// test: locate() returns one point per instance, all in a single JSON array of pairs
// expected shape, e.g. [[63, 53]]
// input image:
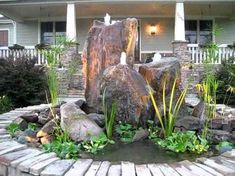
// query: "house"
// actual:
[[160, 22]]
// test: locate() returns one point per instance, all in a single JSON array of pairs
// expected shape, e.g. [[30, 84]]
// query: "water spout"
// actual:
[[123, 58], [107, 19]]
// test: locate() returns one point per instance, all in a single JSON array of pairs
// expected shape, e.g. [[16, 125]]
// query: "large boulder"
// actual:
[[155, 73], [102, 49], [127, 88], [77, 124]]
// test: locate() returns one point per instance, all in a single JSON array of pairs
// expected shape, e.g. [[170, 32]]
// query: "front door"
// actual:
[[4, 38]]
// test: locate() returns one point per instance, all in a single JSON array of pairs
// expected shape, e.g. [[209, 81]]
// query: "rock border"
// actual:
[[19, 160]]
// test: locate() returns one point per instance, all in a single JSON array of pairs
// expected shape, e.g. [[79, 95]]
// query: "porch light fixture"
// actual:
[[153, 29]]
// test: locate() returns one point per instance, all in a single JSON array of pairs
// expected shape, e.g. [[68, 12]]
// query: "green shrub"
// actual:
[[22, 82], [184, 141], [226, 78], [5, 104]]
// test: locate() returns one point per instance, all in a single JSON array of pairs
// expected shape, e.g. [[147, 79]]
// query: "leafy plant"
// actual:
[[109, 116], [167, 119], [226, 83], [65, 150], [5, 104], [126, 132], [22, 82], [62, 145], [32, 126], [52, 61], [96, 143], [184, 141], [223, 146], [153, 130], [13, 128]]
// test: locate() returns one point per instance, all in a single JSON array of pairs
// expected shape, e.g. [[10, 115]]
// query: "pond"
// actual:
[[140, 152]]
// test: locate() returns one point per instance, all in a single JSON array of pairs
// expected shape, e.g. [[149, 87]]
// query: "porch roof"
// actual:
[[20, 10]]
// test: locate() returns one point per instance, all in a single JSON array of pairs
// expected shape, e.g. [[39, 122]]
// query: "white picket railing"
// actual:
[[29, 52], [199, 54]]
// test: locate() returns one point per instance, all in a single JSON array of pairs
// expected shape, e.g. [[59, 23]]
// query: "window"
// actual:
[[4, 38], [50, 31], [198, 31]]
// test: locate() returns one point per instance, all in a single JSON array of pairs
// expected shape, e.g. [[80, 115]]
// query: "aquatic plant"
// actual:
[[184, 141], [167, 119], [96, 143], [109, 116], [126, 132]]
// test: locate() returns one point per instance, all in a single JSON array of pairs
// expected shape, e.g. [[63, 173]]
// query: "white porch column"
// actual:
[[179, 22], [71, 31]]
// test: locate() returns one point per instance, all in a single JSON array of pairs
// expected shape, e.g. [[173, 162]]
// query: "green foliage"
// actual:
[[5, 104], [32, 126], [167, 119], [65, 150], [22, 82], [52, 61], [126, 132], [96, 143], [153, 131], [13, 128], [62, 145], [224, 145], [184, 141], [226, 83], [109, 115]]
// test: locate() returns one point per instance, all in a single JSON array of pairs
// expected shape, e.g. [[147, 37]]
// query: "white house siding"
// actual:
[[161, 41], [10, 29], [227, 35], [27, 33]]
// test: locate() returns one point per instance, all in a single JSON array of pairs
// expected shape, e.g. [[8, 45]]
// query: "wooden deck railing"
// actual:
[[199, 54]]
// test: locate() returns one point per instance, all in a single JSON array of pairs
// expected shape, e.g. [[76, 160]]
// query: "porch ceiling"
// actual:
[[21, 12]]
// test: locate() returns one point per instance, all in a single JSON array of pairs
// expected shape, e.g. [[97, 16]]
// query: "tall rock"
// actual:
[[103, 49]]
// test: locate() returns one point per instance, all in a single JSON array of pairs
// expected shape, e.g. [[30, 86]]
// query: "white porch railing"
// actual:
[[199, 54], [29, 52]]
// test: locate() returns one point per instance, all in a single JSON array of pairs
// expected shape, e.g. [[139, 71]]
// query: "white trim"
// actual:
[[39, 31], [154, 51], [8, 34], [140, 39], [14, 33]]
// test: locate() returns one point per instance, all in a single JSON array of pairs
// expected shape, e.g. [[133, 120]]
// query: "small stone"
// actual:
[[30, 139], [43, 117], [47, 129], [30, 133], [21, 140], [22, 123], [46, 139], [52, 113], [32, 117], [98, 118], [199, 110], [140, 134], [189, 123], [216, 123], [80, 102]]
